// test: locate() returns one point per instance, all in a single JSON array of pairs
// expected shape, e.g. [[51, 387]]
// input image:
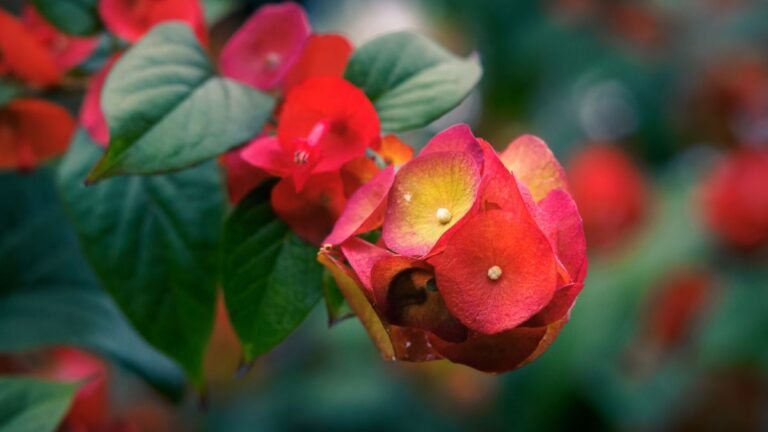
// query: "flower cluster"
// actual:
[[481, 255]]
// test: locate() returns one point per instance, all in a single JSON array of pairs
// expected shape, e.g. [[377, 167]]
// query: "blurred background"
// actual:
[[659, 112]]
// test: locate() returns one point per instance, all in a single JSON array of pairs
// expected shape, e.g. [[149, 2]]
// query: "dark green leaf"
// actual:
[[411, 80], [28, 404], [77, 17], [271, 279], [48, 294], [8, 92], [152, 242], [166, 110]]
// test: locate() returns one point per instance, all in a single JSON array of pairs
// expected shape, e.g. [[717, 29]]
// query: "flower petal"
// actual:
[[323, 56], [364, 210], [394, 151], [362, 256], [265, 48], [533, 163], [23, 142], [497, 271], [312, 212], [265, 152], [429, 196], [24, 56], [501, 352], [339, 114], [242, 177], [91, 115], [67, 51], [132, 19]]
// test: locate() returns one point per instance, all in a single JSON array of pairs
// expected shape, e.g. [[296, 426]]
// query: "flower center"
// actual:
[[272, 60], [494, 273], [443, 215]]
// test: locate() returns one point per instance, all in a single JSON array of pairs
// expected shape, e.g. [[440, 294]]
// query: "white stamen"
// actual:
[[494, 273], [407, 197], [443, 215]]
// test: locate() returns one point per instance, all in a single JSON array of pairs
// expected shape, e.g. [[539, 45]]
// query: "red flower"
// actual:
[[23, 143], [131, 19], [676, 305], [477, 268], [735, 199], [610, 192], [325, 123], [265, 48], [24, 56], [67, 51]]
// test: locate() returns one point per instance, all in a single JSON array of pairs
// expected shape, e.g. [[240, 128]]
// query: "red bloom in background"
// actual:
[[611, 194], [131, 19], [67, 51], [264, 49], [24, 56], [735, 199], [676, 306], [23, 142], [478, 268]]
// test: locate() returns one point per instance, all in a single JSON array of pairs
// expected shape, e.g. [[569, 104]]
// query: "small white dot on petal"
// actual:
[[494, 273]]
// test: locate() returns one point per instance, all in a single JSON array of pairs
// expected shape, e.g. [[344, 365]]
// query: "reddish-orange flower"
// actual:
[[611, 194], [131, 19], [23, 143], [735, 199], [67, 51], [24, 56], [477, 268]]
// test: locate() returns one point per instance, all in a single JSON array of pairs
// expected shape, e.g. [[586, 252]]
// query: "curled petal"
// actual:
[[311, 212], [497, 271], [501, 352], [429, 196], [364, 210], [23, 142], [533, 163], [132, 19], [323, 56], [362, 256], [350, 286], [265, 48]]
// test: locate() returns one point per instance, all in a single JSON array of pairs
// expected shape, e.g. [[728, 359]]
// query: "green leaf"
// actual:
[[8, 92], [48, 294], [28, 404], [77, 17], [410, 79], [166, 110], [152, 242], [271, 278]]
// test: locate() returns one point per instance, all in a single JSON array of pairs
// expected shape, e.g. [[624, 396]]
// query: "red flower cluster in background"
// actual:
[[481, 257], [611, 193], [735, 199]]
